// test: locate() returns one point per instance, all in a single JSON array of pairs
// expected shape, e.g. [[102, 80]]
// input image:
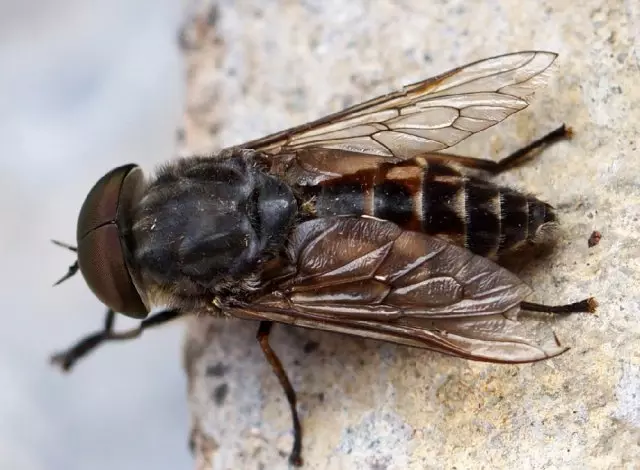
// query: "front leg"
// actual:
[[67, 359]]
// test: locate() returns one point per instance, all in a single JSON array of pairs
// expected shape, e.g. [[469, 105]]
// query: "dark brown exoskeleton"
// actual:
[[355, 223]]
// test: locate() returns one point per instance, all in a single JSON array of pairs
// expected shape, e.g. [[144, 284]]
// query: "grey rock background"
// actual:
[[255, 67]]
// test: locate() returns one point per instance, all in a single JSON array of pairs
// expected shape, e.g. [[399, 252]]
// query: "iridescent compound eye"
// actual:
[[101, 247]]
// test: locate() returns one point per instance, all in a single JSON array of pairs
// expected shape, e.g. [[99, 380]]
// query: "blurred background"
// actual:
[[84, 86]]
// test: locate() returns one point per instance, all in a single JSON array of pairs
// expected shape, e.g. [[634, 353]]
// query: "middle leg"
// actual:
[[263, 338]]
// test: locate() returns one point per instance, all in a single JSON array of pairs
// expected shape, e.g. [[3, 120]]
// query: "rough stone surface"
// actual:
[[255, 67]]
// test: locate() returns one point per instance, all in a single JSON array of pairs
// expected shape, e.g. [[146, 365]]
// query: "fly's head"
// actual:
[[104, 258]]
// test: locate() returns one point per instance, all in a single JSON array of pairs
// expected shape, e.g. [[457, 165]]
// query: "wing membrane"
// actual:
[[427, 116], [367, 277]]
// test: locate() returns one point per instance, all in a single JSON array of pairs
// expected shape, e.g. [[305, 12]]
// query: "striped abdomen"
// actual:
[[435, 198]]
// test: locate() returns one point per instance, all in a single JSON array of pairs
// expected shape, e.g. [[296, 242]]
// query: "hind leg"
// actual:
[[514, 159]]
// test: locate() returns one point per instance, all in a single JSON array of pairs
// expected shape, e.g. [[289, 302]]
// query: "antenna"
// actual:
[[74, 267]]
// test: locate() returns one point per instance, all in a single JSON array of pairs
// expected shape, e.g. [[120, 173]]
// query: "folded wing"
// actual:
[[367, 277]]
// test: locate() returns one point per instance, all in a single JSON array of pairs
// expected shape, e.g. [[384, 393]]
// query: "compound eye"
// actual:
[[102, 253]]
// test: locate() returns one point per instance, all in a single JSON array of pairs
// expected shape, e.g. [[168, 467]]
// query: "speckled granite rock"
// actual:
[[257, 67]]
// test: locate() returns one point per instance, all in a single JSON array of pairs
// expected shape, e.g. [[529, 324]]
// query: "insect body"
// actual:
[[355, 223]]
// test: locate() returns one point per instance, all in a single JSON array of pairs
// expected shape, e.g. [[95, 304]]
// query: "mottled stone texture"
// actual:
[[257, 67]]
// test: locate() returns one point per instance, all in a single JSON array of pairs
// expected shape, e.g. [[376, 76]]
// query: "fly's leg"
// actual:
[[512, 160], [587, 305], [263, 338], [67, 359], [520, 155]]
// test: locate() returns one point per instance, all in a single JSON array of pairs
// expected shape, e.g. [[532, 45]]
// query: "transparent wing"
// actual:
[[426, 116], [367, 277]]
